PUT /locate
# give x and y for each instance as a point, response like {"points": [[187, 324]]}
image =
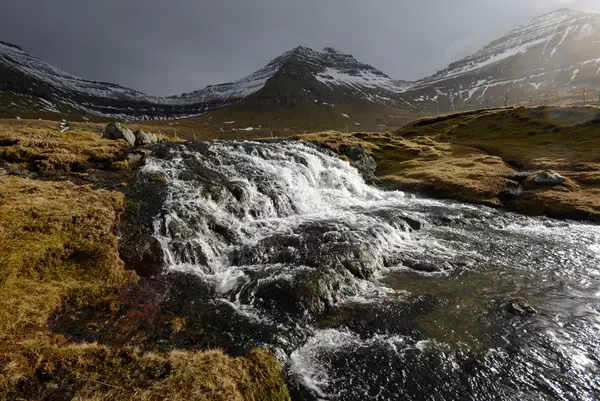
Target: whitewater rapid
{"points": [[381, 295]]}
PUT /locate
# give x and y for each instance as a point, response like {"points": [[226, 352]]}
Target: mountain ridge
{"points": [[557, 51], [21, 72], [528, 64]]}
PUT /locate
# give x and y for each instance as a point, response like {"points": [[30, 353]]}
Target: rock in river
{"points": [[519, 307]]}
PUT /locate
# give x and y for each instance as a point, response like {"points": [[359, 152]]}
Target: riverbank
{"points": [[492, 157], [85, 304], [75, 320]]}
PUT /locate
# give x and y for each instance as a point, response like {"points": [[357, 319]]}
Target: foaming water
{"points": [[370, 294]]}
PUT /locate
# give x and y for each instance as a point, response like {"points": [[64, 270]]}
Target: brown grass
{"points": [[44, 149], [54, 238]]}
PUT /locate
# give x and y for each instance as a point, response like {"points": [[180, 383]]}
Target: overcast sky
{"points": [[165, 47]]}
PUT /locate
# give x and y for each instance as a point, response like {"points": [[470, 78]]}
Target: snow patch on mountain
{"points": [[12, 55], [358, 79], [494, 58]]}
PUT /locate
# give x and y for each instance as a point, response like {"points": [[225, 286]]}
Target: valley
{"points": [[316, 230], [121, 296]]}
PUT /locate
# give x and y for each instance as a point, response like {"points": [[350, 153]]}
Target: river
{"points": [[366, 294]]}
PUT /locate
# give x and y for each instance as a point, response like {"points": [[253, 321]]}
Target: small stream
{"points": [[366, 294]]}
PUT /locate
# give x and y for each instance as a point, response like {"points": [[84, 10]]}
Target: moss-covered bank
{"points": [[474, 157]]}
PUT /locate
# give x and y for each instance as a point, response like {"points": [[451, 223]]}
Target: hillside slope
{"points": [[299, 76], [492, 157], [548, 61]]}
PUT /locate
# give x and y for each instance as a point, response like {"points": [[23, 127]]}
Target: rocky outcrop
{"points": [[115, 131], [138, 247]]}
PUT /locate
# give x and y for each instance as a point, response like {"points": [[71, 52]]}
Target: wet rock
{"points": [[510, 194], [361, 160], [413, 223], [404, 220], [308, 293], [426, 266], [144, 254], [137, 246], [199, 147], [145, 152], [519, 307], [115, 131], [134, 159]]}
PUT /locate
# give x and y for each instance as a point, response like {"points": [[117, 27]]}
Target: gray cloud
{"points": [[171, 46]]}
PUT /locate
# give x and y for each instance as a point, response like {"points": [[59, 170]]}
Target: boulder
{"points": [[115, 131], [142, 138]]}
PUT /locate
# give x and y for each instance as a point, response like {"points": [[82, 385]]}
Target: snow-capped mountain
{"points": [[553, 57], [25, 74], [548, 58], [300, 75], [304, 75]]}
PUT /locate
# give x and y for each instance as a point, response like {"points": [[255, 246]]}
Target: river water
{"points": [[366, 294]]}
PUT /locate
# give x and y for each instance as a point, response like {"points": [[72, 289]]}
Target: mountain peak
{"points": [[331, 50], [560, 15], [302, 48]]}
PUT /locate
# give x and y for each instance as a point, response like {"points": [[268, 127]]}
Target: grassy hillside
{"points": [[470, 157]]}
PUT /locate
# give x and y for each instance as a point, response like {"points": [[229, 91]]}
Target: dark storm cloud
{"points": [[172, 46]]}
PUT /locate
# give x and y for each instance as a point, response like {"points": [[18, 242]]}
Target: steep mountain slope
{"points": [[553, 59], [328, 76], [24, 74], [540, 62], [298, 76]]}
